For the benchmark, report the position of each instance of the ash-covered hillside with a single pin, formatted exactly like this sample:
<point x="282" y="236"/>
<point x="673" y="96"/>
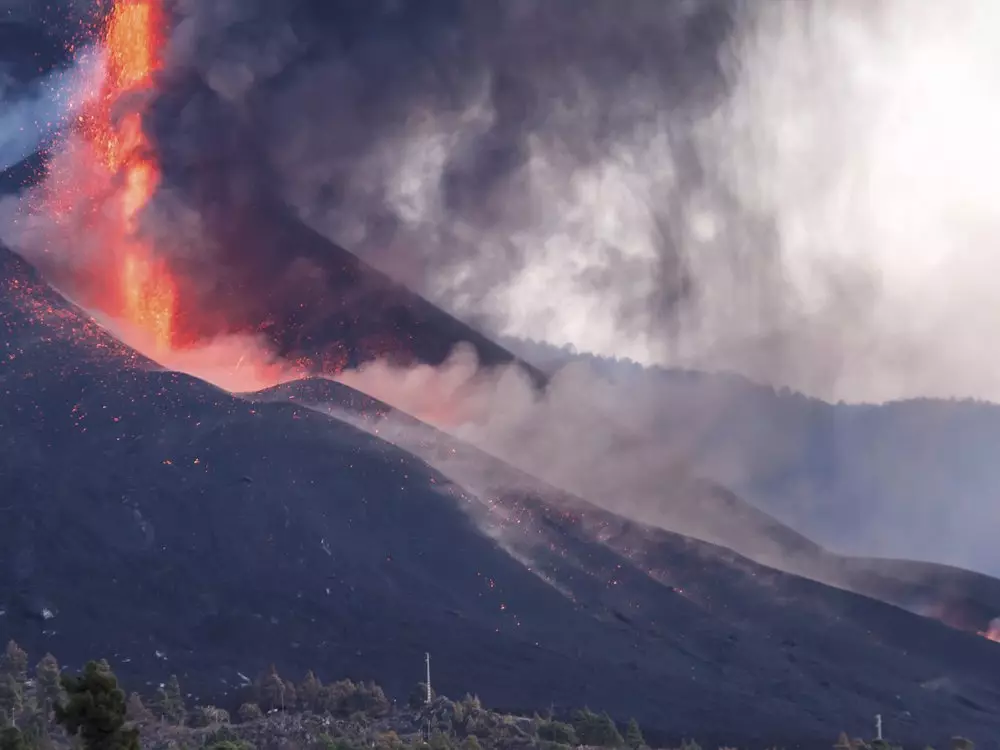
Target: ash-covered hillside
<point x="911" y="479"/>
<point x="165" y="524"/>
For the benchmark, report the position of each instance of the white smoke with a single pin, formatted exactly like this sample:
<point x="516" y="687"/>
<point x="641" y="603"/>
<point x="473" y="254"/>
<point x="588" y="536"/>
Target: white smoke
<point x="29" y="118"/>
<point x="840" y="241"/>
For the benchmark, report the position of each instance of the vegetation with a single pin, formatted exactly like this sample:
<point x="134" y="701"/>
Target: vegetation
<point x="90" y="711"/>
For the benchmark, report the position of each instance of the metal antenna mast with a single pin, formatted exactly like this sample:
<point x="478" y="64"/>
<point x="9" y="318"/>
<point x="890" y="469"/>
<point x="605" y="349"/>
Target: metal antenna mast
<point x="427" y="657"/>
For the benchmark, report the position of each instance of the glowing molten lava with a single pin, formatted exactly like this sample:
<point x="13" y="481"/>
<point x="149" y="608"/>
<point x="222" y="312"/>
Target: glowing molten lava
<point x="142" y="291"/>
<point x="99" y="179"/>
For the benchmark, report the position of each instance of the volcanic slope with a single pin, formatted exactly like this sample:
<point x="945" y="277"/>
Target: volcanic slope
<point x="175" y="528"/>
<point x="858" y="477"/>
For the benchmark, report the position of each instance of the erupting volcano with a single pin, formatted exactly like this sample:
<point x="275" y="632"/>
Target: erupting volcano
<point x="88" y="214"/>
<point x="113" y="172"/>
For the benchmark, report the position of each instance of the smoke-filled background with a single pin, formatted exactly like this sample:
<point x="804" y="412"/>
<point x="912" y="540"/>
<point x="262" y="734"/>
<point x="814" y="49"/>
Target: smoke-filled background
<point x="799" y="192"/>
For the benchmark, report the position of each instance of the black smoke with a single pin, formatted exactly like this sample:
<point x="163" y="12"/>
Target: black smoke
<point x="271" y="111"/>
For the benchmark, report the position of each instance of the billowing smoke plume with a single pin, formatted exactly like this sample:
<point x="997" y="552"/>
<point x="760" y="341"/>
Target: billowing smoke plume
<point x="791" y="190"/>
<point x="794" y="191"/>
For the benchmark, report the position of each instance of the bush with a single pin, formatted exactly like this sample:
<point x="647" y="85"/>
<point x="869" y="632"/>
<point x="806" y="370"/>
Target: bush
<point x="206" y="716"/>
<point x="249" y="712"/>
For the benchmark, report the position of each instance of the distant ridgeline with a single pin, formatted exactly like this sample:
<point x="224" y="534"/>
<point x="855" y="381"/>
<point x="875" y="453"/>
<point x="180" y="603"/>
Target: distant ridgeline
<point x="46" y="709"/>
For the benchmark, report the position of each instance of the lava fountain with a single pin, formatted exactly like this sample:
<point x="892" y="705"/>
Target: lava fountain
<point x="139" y="288"/>
<point x="99" y="179"/>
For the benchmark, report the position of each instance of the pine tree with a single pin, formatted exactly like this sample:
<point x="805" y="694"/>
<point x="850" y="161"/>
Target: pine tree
<point x="309" y="692"/>
<point x="95" y="710"/>
<point x="597" y="730"/>
<point x="11" y="698"/>
<point x="633" y="735"/>
<point x="15" y="662"/>
<point x="291" y="695"/>
<point x="173" y="709"/>
<point x="50" y="692"/>
<point x="558" y="733"/>
<point x="439" y="741"/>
<point x="271" y="689"/>
<point x="135" y="709"/>
<point x="11" y="738"/>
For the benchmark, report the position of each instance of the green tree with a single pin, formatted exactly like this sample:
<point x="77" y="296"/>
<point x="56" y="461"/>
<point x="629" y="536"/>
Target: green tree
<point x="206" y="716"/>
<point x="309" y="692"/>
<point x="175" y="700"/>
<point x="272" y="690"/>
<point x="439" y="741"/>
<point x="370" y="699"/>
<point x="388" y="741"/>
<point x="11" y="698"/>
<point x="94" y="710"/>
<point x="633" y="735"/>
<point x="135" y="709"/>
<point x="471" y="743"/>
<point x="47" y="677"/>
<point x="557" y="732"/>
<point x="418" y="696"/>
<point x="11" y="738"/>
<point x="961" y="743"/>
<point x="597" y="730"/>
<point x="168" y="703"/>
<point x="249" y="712"/>
<point x="15" y="662"/>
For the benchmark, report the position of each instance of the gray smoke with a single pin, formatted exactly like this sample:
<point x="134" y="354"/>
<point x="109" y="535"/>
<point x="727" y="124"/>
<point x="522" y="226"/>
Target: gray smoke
<point x="761" y="187"/>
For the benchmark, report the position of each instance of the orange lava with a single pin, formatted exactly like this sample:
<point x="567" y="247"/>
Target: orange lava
<point x="98" y="183"/>
<point x="123" y="175"/>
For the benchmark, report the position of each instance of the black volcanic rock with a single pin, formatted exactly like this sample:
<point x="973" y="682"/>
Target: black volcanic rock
<point x="174" y="528"/>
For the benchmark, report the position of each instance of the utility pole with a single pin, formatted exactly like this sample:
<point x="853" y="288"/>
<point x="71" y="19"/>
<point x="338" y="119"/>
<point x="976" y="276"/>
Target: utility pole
<point x="427" y="658"/>
<point x="878" y="726"/>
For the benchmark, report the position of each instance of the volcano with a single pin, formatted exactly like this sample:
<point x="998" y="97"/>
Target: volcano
<point x="217" y="533"/>
<point x="173" y="527"/>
